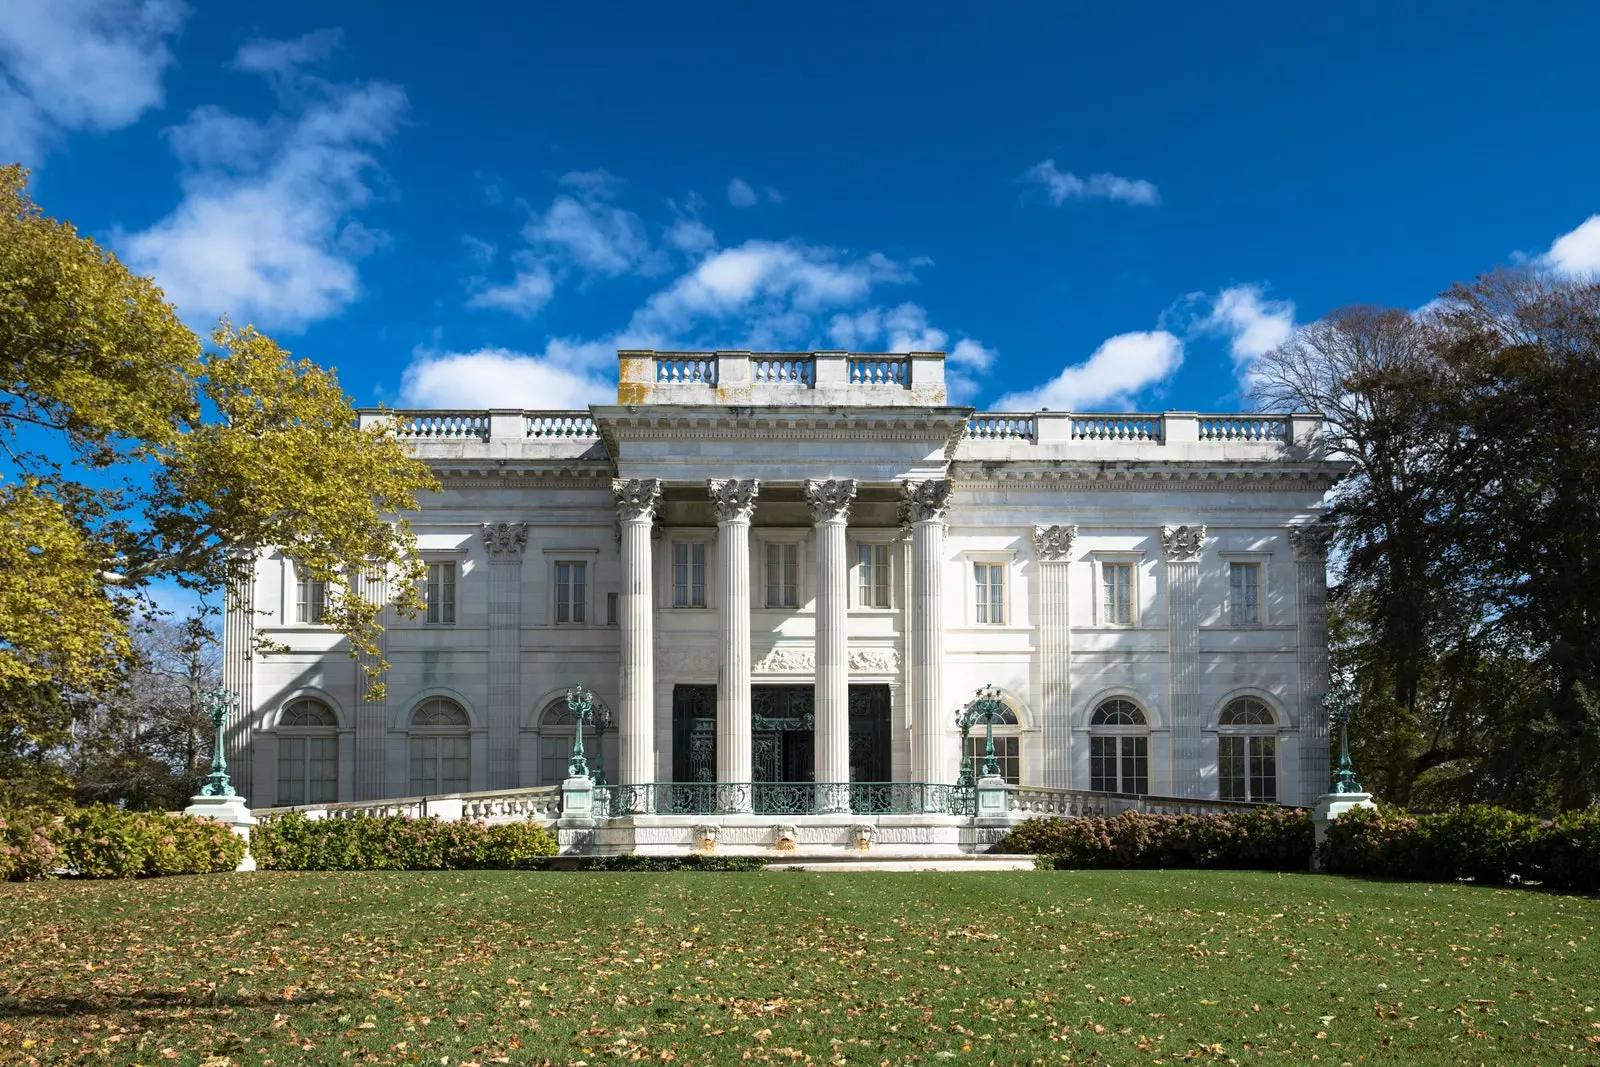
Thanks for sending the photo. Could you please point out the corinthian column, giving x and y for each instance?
(830, 508)
(924, 504)
(637, 500)
(1053, 546)
(734, 502)
(1309, 544)
(1182, 546)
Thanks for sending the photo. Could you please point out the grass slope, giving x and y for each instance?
(1120, 967)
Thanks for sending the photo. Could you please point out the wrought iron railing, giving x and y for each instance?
(785, 798)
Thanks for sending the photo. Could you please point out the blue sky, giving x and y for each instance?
(1092, 209)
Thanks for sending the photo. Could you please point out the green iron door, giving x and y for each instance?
(694, 733)
(869, 733)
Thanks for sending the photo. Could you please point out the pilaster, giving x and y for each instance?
(371, 716)
(925, 504)
(1053, 547)
(1182, 546)
(734, 502)
(1309, 545)
(238, 635)
(830, 509)
(505, 542)
(637, 500)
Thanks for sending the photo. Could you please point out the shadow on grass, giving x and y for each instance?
(45, 1007)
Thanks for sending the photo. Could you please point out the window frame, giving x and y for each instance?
(1009, 598)
(885, 584)
(1009, 732)
(1261, 562)
(670, 575)
(305, 735)
(437, 734)
(1134, 561)
(454, 584)
(303, 614)
(760, 538)
(767, 547)
(576, 605)
(554, 559)
(1251, 734)
(1119, 733)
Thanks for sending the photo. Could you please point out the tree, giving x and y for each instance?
(131, 452)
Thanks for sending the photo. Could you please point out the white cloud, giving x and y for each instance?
(691, 235)
(740, 194)
(79, 65)
(906, 328)
(523, 296)
(266, 231)
(1111, 378)
(590, 232)
(1061, 186)
(502, 378)
(1254, 324)
(1576, 252)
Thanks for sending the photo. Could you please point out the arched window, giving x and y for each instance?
(1247, 752)
(1006, 747)
(440, 750)
(556, 727)
(308, 753)
(1119, 748)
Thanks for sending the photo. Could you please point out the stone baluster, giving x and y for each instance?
(1053, 547)
(925, 503)
(1309, 545)
(505, 543)
(830, 508)
(734, 502)
(1182, 546)
(637, 500)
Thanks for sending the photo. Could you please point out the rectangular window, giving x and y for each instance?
(439, 765)
(291, 770)
(689, 574)
(1117, 602)
(1244, 593)
(783, 575)
(611, 609)
(1005, 754)
(440, 594)
(1230, 768)
(872, 564)
(572, 592)
(308, 770)
(1119, 764)
(989, 581)
(310, 599)
(1247, 769)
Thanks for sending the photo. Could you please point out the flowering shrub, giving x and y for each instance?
(104, 842)
(293, 842)
(1266, 839)
(1479, 842)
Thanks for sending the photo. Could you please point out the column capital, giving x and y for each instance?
(637, 498)
(830, 499)
(733, 499)
(1182, 544)
(1309, 543)
(924, 501)
(1054, 543)
(504, 539)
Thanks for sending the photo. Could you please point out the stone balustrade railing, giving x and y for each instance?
(1034, 801)
(538, 804)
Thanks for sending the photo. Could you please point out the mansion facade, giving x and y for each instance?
(800, 568)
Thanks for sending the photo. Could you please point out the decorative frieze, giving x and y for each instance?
(831, 499)
(1054, 542)
(505, 538)
(1309, 543)
(924, 501)
(637, 498)
(1182, 544)
(788, 661)
(875, 661)
(733, 499)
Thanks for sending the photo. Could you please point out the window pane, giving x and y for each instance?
(291, 770)
(997, 594)
(1140, 779)
(430, 593)
(881, 580)
(1264, 769)
(791, 576)
(980, 585)
(680, 576)
(563, 592)
(697, 594)
(424, 753)
(1103, 764)
(324, 770)
(447, 594)
(1124, 594)
(453, 764)
(1230, 768)
(580, 590)
(774, 576)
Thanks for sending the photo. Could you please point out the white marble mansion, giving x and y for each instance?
(799, 568)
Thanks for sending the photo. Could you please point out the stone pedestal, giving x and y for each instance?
(1329, 807)
(233, 811)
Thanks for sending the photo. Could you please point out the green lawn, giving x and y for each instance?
(1100, 967)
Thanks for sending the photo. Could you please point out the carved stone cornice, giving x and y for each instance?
(1309, 543)
(733, 499)
(1053, 542)
(830, 499)
(637, 498)
(922, 501)
(505, 539)
(1182, 544)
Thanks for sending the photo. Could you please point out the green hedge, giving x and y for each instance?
(1489, 845)
(1266, 839)
(105, 842)
(293, 842)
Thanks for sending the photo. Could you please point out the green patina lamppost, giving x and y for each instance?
(219, 702)
(580, 702)
(1337, 702)
(600, 718)
(987, 707)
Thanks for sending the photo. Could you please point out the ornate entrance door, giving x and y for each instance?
(782, 728)
(694, 744)
(869, 733)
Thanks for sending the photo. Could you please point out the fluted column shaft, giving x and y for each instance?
(1310, 547)
(734, 503)
(1182, 546)
(830, 505)
(1053, 546)
(505, 542)
(637, 499)
(933, 756)
(238, 636)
